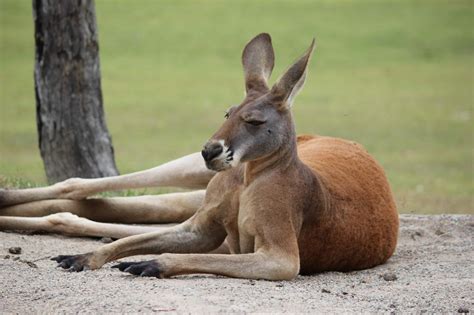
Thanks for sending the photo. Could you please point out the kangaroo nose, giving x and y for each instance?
(211, 150)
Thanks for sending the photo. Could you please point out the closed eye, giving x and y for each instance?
(255, 122)
(254, 118)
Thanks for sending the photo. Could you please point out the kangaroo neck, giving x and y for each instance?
(283, 159)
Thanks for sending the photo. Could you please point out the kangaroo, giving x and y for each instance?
(275, 206)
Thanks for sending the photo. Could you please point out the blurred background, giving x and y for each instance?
(396, 76)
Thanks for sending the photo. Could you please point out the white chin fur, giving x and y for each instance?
(227, 158)
(236, 158)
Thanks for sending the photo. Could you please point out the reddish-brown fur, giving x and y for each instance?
(358, 223)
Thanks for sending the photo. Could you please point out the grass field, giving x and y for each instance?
(396, 76)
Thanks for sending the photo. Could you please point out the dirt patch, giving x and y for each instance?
(431, 271)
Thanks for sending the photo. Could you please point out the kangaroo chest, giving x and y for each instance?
(240, 224)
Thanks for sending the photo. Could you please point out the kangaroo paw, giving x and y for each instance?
(149, 268)
(74, 262)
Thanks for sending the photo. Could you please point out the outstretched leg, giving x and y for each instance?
(187, 172)
(70, 224)
(260, 265)
(199, 234)
(165, 208)
(49, 215)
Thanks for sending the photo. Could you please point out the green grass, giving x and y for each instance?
(396, 76)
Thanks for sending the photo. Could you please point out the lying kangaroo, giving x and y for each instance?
(275, 204)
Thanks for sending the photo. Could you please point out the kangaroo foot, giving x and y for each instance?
(147, 268)
(74, 262)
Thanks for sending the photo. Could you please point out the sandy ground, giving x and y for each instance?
(433, 267)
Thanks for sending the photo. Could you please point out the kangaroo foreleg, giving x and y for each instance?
(165, 208)
(273, 256)
(259, 265)
(187, 172)
(200, 234)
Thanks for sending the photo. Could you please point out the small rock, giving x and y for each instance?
(279, 285)
(463, 310)
(389, 276)
(30, 263)
(439, 232)
(344, 293)
(16, 258)
(325, 291)
(6, 257)
(392, 306)
(416, 234)
(14, 250)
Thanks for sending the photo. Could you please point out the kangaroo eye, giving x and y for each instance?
(255, 122)
(254, 118)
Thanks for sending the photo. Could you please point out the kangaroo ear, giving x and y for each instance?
(258, 60)
(293, 80)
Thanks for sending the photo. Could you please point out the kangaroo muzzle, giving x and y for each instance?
(211, 151)
(218, 156)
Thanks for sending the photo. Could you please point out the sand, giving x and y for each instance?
(431, 271)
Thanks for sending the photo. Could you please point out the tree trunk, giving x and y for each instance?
(73, 137)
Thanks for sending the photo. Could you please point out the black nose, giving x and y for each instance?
(211, 151)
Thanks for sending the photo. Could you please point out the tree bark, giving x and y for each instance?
(73, 136)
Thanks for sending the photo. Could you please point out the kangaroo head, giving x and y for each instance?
(262, 124)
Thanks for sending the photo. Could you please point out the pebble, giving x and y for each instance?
(325, 291)
(14, 250)
(30, 263)
(389, 276)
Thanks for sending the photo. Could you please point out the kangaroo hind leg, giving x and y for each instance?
(165, 208)
(186, 172)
